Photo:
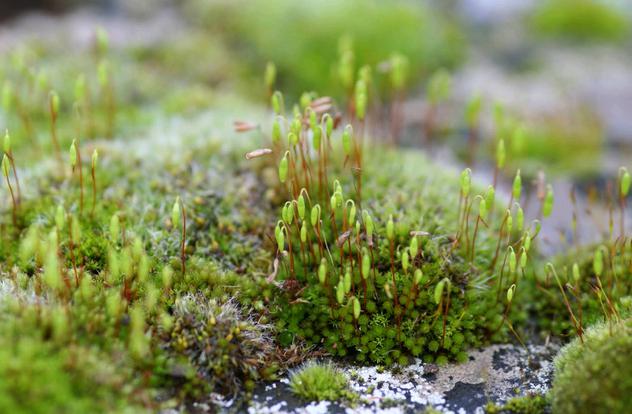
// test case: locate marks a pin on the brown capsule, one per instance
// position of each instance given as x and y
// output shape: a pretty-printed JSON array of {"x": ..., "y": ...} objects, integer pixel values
[
  {"x": 343, "y": 238},
  {"x": 415, "y": 233},
  {"x": 258, "y": 153},
  {"x": 244, "y": 126}
]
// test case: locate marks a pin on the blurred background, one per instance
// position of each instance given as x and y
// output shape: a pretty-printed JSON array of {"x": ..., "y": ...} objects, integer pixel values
[{"x": 552, "y": 78}]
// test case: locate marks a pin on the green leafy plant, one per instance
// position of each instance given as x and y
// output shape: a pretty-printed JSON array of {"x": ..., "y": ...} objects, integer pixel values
[{"x": 320, "y": 381}]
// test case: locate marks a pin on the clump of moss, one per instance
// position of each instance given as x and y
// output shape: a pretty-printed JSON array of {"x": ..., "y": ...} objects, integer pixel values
[
  {"x": 594, "y": 376},
  {"x": 37, "y": 376},
  {"x": 320, "y": 381},
  {"x": 228, "y": 351},
  {"x": 527, "y": 404}
]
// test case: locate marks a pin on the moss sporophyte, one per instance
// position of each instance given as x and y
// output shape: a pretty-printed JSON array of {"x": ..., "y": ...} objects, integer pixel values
[{"x": 372, "y": 287}]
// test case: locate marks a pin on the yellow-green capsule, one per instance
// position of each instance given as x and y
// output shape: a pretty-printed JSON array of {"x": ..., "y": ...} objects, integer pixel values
[
  {"x": 547, "y": 207},
  {"x": 315, "y": 215},
  {"x": 95, "y": 158},
  {"x": 624, "y": 186},
  {"x": 438, "y": 292},
  {"x": 347, "y": 281},
  {"x": 390, "y": 228},
  {"x": 7, "y": 142},
  {"x": 576, "y": 274},
  {"x": 303, "y": 232},
  {"x": 347, "y": 137},
  {"x": 283, "y": 166},
  {"x": 510, "y": 293},
  {"x": 598, "y": 262},
  {"x": 276, "y": 131},
  {"x": 517, "y": 186},
  {"x": 466, "y": 182},
  {"x": 356, "y": 307},
  {"x": 270, "y": 75},
  {"x": 414, "y": 247},
  {"x": 322, "y": 271},
  {"x": 500, "y": 154},
  {"x": 366, "y": 264},
  {"x": 300, "y": 206},
  {"x": 175, "y": 213},
  {"x": 72, "y": 152},
  {"x": 512, "y": 260},
  {"x": 340, "y": 293},
  {"x": 5, "y": 165}
]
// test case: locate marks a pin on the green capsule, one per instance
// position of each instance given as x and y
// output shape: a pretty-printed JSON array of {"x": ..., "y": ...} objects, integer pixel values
[
  {"x": 315, "y": 215},
  {"x": 352, "y": 211},
  {"x": 300, "y": 205},
  {"x": 466, "y": 181},
  {"x": 366, "y": 264},
  {"x": 317, "y": 134},
  {"x": 7, "y": 142},
  {"x": 510, "y": 293},
  {"x": 280, "y": 237},
  {"x": 322, "y": 271},
  {"x": 277, "y": 102},
  {"x": 517, "y": 187},
  {"x": 303, "y": 233},
  {"x": 328, "y": 121},
  {"x": 347, "y": 281},
  {"x": 418, "y": 276},
  {"x": 598, "y": 262},
  {"x": 356, "y": 308},
  {"x": 405, "y": 261},
  {"x": 288, "y": 212},
  {"x": 390, "y": 228},
  {"x": 482, "y": 208},
  {"x": 340, "y": 293},
  {"x": 576, "y": 275},
  {"x": 276, "y": 131},
  {"x": 270, "y": 75},
  {"x": 368, "y": 225},
  {"x": 5, "y": 165},
  {"x": 414, "y": 247},
  {"x": 512, "y": 260},
  {"x": 547, "y": 207},
  {"x": 72, "y": 152},
  {"x": 624, "y": 186},
  {"x": 175, "y": 213},
  {"x": 500, "y": 154},
  {"x": 95, "y": 158},
  {"x": 283, "y": 166},
  {"x": 347, "y": 137},
  {"x": 509, "y": 222},
  {"x": 527, "y": 240},
  {"x": 523, "y": 258},
  {"x": 54, "y": 102},
  {"x": 438, "y": 292},
  {"x": 490, "y": 197},
  {"x": 519, "y": 219}
]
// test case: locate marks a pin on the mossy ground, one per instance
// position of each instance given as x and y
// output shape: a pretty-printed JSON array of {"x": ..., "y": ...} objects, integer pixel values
[{"x": 88, "y": 305}]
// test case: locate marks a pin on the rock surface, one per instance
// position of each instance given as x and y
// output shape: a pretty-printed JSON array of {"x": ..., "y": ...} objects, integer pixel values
[{"x": 496, "y": 373}]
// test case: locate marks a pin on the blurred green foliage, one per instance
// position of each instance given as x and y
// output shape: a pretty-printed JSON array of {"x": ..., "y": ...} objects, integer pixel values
[
  {"x": 580, "y": 20},
  {"x": 305, "y": 39}
]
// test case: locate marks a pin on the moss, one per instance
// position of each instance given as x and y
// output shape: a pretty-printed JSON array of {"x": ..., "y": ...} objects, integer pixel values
[
  {"x": 594, "y": 376},
  {"x": 320, "y": 381},
  {"x": 528, "y": 404},
  {"x": 580, "y": 20}
]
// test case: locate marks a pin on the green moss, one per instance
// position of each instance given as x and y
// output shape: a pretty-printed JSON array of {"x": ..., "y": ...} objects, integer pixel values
[
  {"x": 594, "y": 376},
  {"x": 528, "y": 404},
  {"x": 320, "y": 381}
]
